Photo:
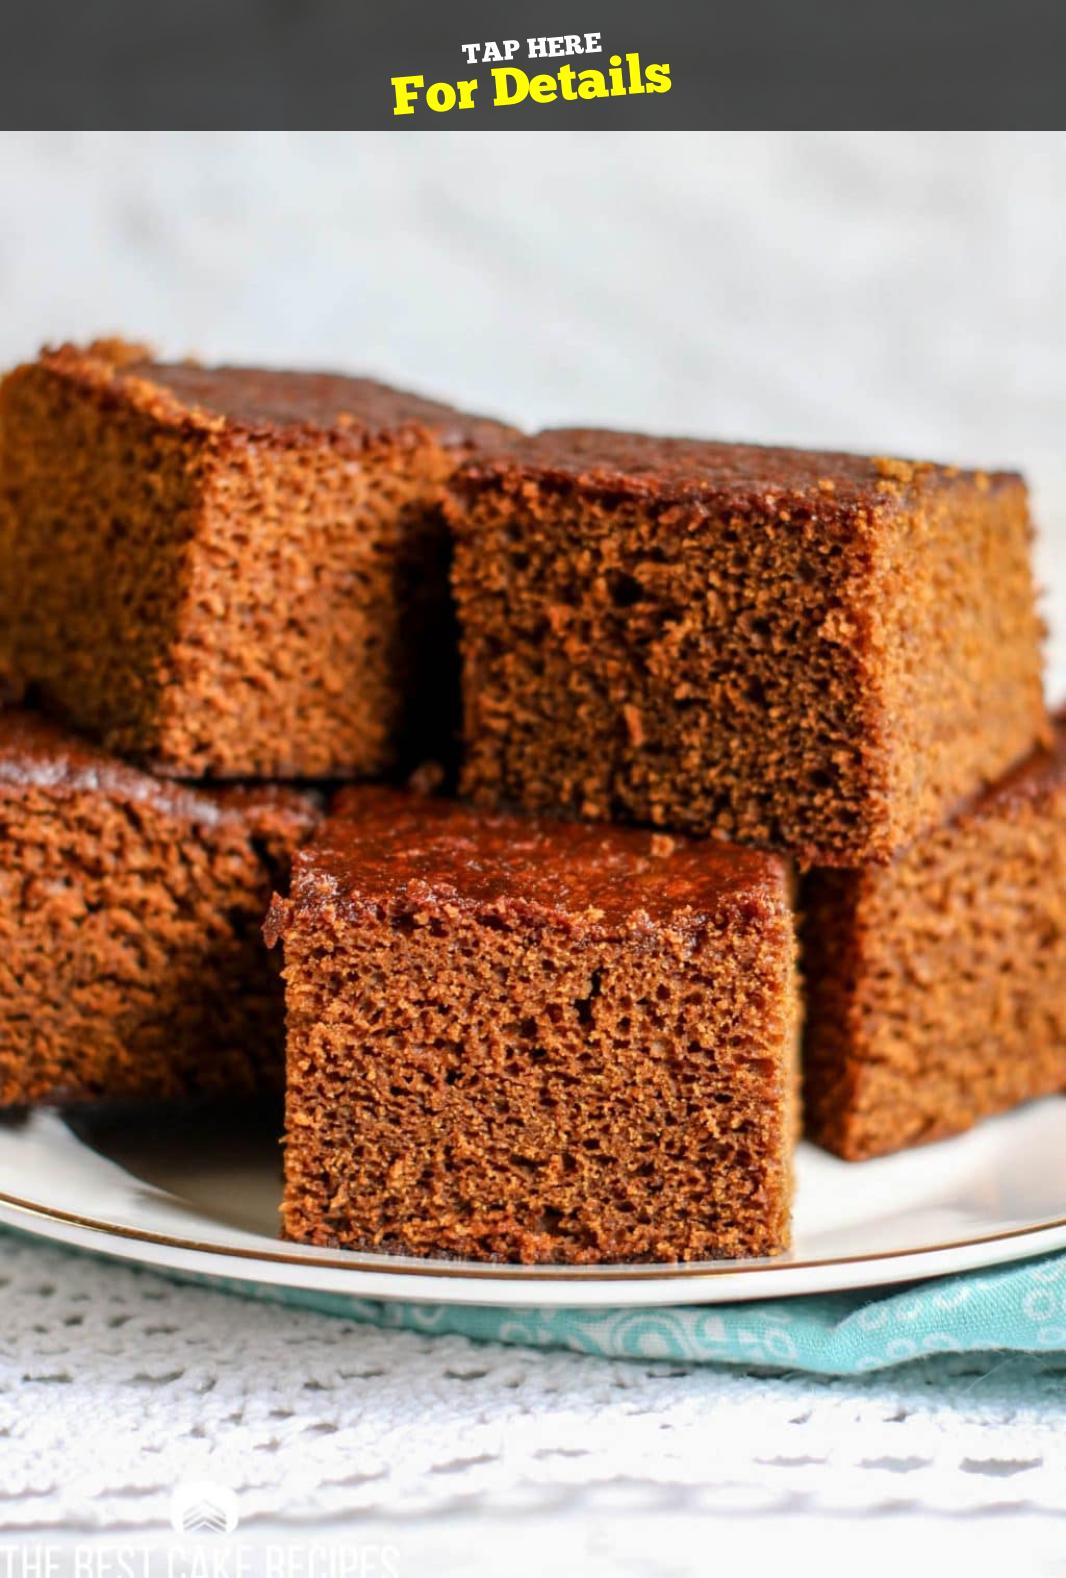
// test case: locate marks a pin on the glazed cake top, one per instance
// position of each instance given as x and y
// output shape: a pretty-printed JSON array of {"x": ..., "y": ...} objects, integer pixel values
[
  {"x": 635, "y": 465},
  {"x": 261, "y": 401},
  {"x": 38, "y": 754},
  {"x": 394, "y": 848}
]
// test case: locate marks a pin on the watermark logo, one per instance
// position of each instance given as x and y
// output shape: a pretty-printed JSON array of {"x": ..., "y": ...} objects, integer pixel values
[
  {"x": 201, "y": 1510},
  {"x": 198, "y": 1506}
]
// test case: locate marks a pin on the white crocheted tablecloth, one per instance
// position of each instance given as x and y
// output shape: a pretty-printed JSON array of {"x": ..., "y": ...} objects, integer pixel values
[{"x": 117, "y": 1385}]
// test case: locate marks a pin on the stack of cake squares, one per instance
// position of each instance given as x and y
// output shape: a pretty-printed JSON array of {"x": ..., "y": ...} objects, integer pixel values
[
  {"x": 615, "y": 800},
  {"x": 221, "y": 590}
]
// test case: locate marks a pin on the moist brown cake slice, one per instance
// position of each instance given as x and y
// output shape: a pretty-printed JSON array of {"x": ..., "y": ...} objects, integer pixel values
[
  {"x": 817, "y": 652},
  {"x": 535, "y": 1041},
  {"x": 230, "y": 572},
  {"x": 937, "y": 985},
  {"x": 131, "y": 961}
]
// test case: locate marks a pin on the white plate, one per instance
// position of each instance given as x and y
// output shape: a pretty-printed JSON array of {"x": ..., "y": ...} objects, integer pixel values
[{"x": 198, "y": 1192}]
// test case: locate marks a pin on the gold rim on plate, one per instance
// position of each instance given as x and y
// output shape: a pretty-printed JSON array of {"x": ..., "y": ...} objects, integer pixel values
[{"x": 409, "y": 1266}]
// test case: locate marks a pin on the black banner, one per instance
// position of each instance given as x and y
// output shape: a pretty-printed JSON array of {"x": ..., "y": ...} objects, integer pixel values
[{"x": 576, "y": 65}]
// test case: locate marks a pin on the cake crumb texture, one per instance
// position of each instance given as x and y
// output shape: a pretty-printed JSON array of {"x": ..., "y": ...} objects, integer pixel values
[
  {"x": 230, "y": 572},
  {"x": 131, "y": 964},
  {"x": 816, "y": 652},
  {"x": 535, "y": 1042},
  {"x": 936, "y": 986}
]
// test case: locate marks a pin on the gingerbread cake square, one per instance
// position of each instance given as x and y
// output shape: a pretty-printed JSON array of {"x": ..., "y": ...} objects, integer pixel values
[
  {"x": 936, "y": 986},
  {"x": 131, "y": 960},
  {"x": 816, "y": 652},
  {"x": 535, "y": 1041},
  {"x": 229, "y": 572}
]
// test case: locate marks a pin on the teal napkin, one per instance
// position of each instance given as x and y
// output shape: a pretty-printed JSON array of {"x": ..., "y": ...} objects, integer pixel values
[
  {"x": 1020, "y": 1308},
  {"x": 1014, "y": 1309}
]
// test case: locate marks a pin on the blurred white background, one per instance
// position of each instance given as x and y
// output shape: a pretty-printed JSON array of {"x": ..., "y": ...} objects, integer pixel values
[{"x": 882, "y": 291}]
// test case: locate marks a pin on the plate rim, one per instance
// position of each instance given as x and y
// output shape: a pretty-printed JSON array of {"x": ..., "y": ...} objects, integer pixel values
[{"x": 723, "y": 1280}]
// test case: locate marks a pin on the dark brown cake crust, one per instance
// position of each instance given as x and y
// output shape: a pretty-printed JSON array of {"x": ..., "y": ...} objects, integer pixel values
[
  {"x": 130, "y": 959},
  {"x": 230, "y": 572},
  {"x": 300, "y": 407},
  {"x": 535, "y": 1041},
  {"x": 691, "y": 470},
  {"x": 937, "y": 985},
  {"x": 818, "y": 652},
  {"x": 377, "y": 844}
]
